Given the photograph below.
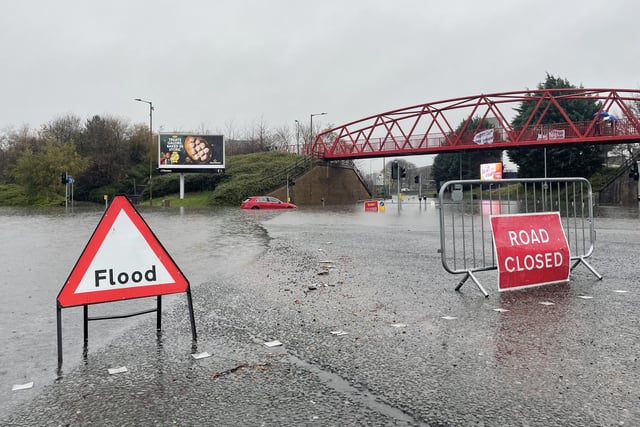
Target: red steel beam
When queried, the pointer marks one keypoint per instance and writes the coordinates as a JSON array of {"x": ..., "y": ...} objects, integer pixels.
[{"x": 427, "y": 129}]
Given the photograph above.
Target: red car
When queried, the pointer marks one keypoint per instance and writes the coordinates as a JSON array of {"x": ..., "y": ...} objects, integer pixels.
[{"x": 265, "y": 202}]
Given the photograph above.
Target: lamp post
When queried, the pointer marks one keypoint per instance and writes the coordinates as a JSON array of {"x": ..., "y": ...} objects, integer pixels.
[
  {"x": 151, "y": 146},
  {"x": 311, "y": 116},
  {"x": 297, "y": 137}
]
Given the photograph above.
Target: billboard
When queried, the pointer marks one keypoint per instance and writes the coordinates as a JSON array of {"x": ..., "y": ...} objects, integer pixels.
[
  {"x": 490, "y": 171},
  {"x": 190, "y": 152}
]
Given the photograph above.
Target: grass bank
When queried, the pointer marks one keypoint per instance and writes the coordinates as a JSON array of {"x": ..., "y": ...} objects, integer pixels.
[{"x": 245, "y": 175}]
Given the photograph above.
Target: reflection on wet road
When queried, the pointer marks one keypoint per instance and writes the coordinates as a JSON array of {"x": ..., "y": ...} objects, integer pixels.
[
  {"x": 40, "y": 249},
  {"x": 413, "y": 352}
]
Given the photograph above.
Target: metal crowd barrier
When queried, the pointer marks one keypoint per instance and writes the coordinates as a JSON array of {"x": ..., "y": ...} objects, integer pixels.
[{"x": 466, "y": 240}]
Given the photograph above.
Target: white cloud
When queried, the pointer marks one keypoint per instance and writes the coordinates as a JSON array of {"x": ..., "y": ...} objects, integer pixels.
[{"x": 213, "y": 63}]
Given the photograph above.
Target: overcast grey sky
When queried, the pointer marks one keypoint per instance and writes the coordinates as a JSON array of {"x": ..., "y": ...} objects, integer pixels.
[{"x": 207, "y": 64}]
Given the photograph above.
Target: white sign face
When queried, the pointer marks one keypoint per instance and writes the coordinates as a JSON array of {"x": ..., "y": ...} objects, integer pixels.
[
  {"x": 552, "y": 134},
  {"x": 124, "y": 260},
  {"x": 491, "y": 171},
  {"x": 484, "y": 137}
]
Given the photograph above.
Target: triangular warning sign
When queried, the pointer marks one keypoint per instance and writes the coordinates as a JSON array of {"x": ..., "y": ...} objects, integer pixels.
[{"x": 122, "y": 260}]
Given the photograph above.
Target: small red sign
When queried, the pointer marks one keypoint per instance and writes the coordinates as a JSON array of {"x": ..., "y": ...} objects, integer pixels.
[
  {"x": 531, "y": 250},
  {"x": 371, "y": 206},
  {"x": 123, "y": 260}
]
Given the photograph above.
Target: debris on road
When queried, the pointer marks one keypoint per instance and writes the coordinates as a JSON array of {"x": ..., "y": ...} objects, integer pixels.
[
  {"x": 25, "y": 386},
  {"x": 230, "y": 370},
  {"x": 201, "y": 355}
]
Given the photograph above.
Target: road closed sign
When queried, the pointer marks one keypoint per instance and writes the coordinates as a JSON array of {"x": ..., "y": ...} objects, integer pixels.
[
  {"x": 123, "y": 260},
  {"x": 531, "y": 250}
]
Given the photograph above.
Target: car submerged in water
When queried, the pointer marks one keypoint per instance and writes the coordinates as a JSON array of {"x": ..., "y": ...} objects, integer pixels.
[{"x": 265, "y": 202}]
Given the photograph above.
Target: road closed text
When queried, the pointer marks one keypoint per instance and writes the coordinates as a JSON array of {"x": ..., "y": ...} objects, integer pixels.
[
  {"x": 530, "y": 262},
  {"x": 533, "y": 262},
  {"x": 531, "y": 249},
  {"x": 528, "y": 237}
]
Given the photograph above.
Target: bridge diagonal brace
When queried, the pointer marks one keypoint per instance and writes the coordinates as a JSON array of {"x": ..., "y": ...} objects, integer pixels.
[{"x": 467, "y": 275}]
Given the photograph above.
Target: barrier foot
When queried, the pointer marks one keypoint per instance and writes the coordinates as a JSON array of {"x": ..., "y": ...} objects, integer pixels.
[
  {"x": 591, "y": 269},
  {"x": 464, "y": 279},
  {"x": 468, "y": 275}
]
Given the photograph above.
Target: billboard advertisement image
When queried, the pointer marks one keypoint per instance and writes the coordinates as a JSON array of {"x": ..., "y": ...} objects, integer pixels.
[
  {"x": 491, "y": 171},
  {"x": 186, "y": 152}
]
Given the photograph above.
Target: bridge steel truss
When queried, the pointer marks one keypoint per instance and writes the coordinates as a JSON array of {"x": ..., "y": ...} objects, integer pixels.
[{"x": 431, "y": 128}]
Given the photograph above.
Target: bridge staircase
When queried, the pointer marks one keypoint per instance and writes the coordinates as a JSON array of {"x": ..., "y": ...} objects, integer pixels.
[
  {"x": 320, "y": 182},
  {"x": 609, "y": 192}
]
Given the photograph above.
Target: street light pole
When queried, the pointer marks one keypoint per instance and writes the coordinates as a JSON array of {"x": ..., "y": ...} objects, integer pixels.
[
  {"x": 311, "y": 116},
  {"x": 151, "y": 146},
  {"x": 297, "y": 137}
]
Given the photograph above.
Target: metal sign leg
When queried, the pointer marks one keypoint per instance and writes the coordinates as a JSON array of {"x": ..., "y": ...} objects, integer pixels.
[
  {"x": 194, "y": 335},
  {"x": 159, "y": 317},
  {"x": 59, "y": 329}
]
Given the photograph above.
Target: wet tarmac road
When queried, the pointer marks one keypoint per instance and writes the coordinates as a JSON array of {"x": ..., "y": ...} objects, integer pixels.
[{"x": 412, "y": 352}]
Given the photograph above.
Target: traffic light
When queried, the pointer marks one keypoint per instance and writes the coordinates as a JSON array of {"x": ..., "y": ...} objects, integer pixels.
[
  {"x": 417, "y": 179},
  {"x": 291, "y": 183},
  {"x": 394, "y": 170},
  {"x": 63, "y": 178},
  {"x": 403, "y": 173}
]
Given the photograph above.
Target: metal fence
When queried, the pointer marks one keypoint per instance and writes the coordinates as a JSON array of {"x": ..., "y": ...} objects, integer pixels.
[{"x": 466, "y": 240}]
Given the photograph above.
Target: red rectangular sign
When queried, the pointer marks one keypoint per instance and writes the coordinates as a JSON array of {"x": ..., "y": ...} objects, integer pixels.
[
  {"x": 531, "y": 250},
  {"x": 371, "y": 206}
]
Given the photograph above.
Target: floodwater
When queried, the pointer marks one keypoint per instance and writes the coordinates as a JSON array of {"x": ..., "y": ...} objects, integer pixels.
[{"x": 41, "y": 247}]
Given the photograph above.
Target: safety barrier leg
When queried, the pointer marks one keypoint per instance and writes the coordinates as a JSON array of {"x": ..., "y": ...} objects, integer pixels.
[
  {"x": 582, "y": 260},
  {"x": 468, "y": 275}
]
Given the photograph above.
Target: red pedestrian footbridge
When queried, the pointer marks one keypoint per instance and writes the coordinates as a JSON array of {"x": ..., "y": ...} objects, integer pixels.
[{"x": 484, "y": 122}]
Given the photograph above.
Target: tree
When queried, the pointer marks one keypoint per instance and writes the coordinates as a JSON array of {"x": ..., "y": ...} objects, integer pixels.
[
  {"x": 261, "y": 135},
  {"x": 282, "y": 140},
  {"x": 464, "y": 164},
  {"x": 14, "y": 142},
  {"x": 64, "y": 129},
  {"x": 39, "y": 171},
  {"x": 140, "y": 148},
  {"x": 105, "y": 141},
  {"x": 446, "y": 167},
  {"x": 568, "y": 160}
]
